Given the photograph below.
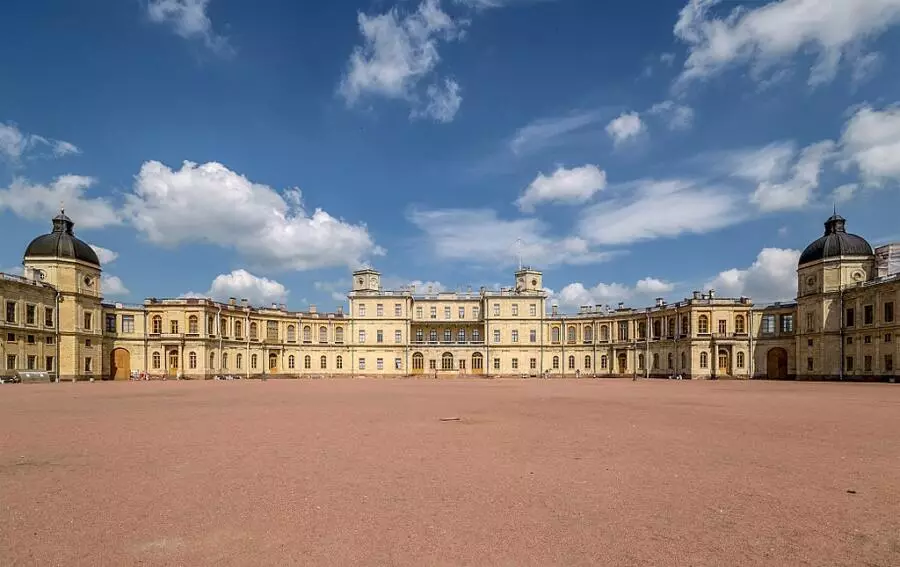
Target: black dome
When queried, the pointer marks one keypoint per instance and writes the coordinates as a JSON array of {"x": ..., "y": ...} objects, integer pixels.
[
  {"x": 836, "y": 242},
  {"x": 61, "y": 243}
]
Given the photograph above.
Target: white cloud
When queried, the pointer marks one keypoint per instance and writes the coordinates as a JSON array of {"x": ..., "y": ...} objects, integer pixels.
[
  {"x": 335, "y": 290},
  {"x": 244, "y": 285},
  {"x": 677, "y": 116},
  {"x": 189, "y": 20},
  {"x": 871, "y": 143},
  {"x": 105, "y": 255},
  {"x": 575, "y": 185},
  {"x": 15, "y": 144},
  {"x": 576, "y": 294},
  {"x": 399, "y": 50},
  {"x": 479, "y": 236},
  {"x": 653, "y": 209},
  {"x": 210, "y": 203},
  {"x": 772, "y": 277},
  {"x": 625, "y": 127},
  {"x": 112, "y": 286},
  {"x": 551, "y": 131},
  {"x": 767, "y": 35},
  {"x": 42, "y": 202},
  {"x": 865, "y": 67},
  {"x": 845, "y": 192},
  {"x": 795, "y": 189}
]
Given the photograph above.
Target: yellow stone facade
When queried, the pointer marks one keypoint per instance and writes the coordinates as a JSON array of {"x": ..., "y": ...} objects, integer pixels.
[{"x": 841, "y": 327}]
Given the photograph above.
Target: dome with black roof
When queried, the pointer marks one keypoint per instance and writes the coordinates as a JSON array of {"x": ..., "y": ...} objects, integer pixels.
[
  {"x": 835, "y": 243},
  {"x": 62, "y": 243}
]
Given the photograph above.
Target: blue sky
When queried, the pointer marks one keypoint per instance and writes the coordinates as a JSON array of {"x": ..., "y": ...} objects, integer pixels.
[{"x": 630, "y": 150}]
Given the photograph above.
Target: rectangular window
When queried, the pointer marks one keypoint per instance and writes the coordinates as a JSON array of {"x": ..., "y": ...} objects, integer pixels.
[
  {"x": 888, "y": 337},
  {"x": 515, "y": 363},
  {"x": 10, "y": 362},
  {"x": 48, "y": 364},
  {"x": 271, "y": 330},
  {"x": 10, "y": 311},
  {"x": 173, "y": 327},
  {"x": 867, "y": 363},
  {"x": 29, "y": 339},
  {"x": 496, "y": 364},
  {"x": 623, "y": 330},
  {"x": 418, "y": 312},
  {"x": 447, "y": 312},
  {"x": 809, "y": 342},
  {"x": 532, "y": 336},
  {"x": 496, "y": 310},
  {"x": 496, "y": 335},
  {"x": 515, "y": 336},
  {"x": 88, "y": 321},
  {"x": 379, "y": 310},
  {"x": 31, "y": 362},
  {"x": 88, "y": 364},
  {"x": 48, "y": 317},
  {"x": 515, "y": 309},
  {"x": 31, "y": 315},
  {"x": 127, "y": 323},
  {"x": 532, "y": 363},
  {"x": 49, "y": 340},
  {"x": 475, "y": 311},
  {"x": 868, "y": 314},
  {"x": 398, "y": 336},
  {"x": 809, "y": 364},
  {"x": 849, "y": 364},
  {"x": 768, "y": 325},
  {"x": 379, "y": 336},
  {"x": 810, "y": 322},
  {"x": 532, "y": 310},
  {"x": 849, "y": 320},
  {"x": 10, "y": 337},
  {"x": 787, "y": 323},
  {"x": 432, "y": 364},
  {"x": 398, "y": 310},
  {"x": 433, "y": 312},
  {"x": 362, "y": 335},
  {"x": 867, "y": 339},
  {"x": 889, "y": 363},
  {"x": 849, "y": 340},
  {"x": 398, "y": 364},
  {"x": 87, "y": 343},
  {"x": 889, "y": 312},
  {"x": 462, "y": 312},
  {"x": 110, "y": 323},
  {"x": 362, "y": 363},
  {"x": 379, "y": 364},
  {"x": 723, "y": 326},
  {"x": 362, "y": 309}
]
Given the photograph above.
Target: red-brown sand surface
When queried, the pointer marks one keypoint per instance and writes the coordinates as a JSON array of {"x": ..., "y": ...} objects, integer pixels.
[{"x": 535, "y": 472}]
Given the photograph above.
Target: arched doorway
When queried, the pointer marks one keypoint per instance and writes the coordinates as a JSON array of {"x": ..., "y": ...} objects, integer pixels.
[
  {"x": 273, "y": 363},
  {"x": 477, "y": 363},
  {"x": 724, "y": 369},
  {"x": 777, "y": 364},
  {"x": 120, "y": 364},
  {"x": 418, "y": 366},
  {"x": 173, "y": 362},
  {"x": 622, "y": 360}
]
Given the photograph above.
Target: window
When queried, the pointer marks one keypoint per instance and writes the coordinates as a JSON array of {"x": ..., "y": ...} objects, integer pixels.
[
  {"x": 604, "y": 333},
  {"x": 887, "y": 337},
  {"x": 642, "y": 330},
  {"x": 532, "y": 310},
  {"x": 49, "y": 340},
  {"x": 238, "y": 329},
  {"x": 127, "y": 323},
  {"x": 554, "y": 334},
  {"x": 379, "y": 364},
  {"x": 446, "y": 361},
  {"x": 703, "y": 325},
  {"x": 556, "y": 363},
  {"x": 809, "y": 342},
  {"x": 496, "y": 364},
  {"x": 398, "y": 310},
  {"x": 323, "y": 334},
  {"x": 740, "y": 359},
  {"x": 849, "y": 320},
  {"x": 809, "y": 364},
  {"x": 476, "y": 336},
  {"x": 110, "y": 323},
  {"x": 307, "y": 362},
  {"x": 379, "y": 310},
  {"x": 323, "y": 362},
  {"x": 418, "y": 361},
  {"x": 418, "y": 312},
  {"x": 515, "y": 309},
  {"x": 888, "y": 363},
  {"x": 867, "y": 339},
  {"x": 739, "y": 325},
  {"x": 30, "y": 340},
  {"x": 867, "y": 363},
  {"x": 889, "y": 312},
  {"x": 432, "y": 311},
  {"x": 704, "y": 360},
  {"x": 339, "y": 362},
  {"x": 603, "y": 361},
  {"x": 271, "y": 330},
  {"x": 849, "y": 340},
  {"x": 683, "y": 360},
  {"x": 514, "y": 336},
  {"x": 254, "y": 331},
  {"x": 787, "y": 323},
  {"x": 448, "y": 335},
  {"x": 461, "y": 336},
  {"x": 239, "y": 361},
  {"x": 212, "y": 360},
  {"x": 192, "y": 360},
  {"x": 10, "y": 362},
  {"x": 362, "y": 335},
  {"x": 291, "y": 362},
  {"x": 657, "y": 328},
  {"x": 432, "y": 336},
  {"x": 193, "y": 325},
  {"x": 362, "y": 363},
  {"x": 868, "y": 314},
  {"x": 462, "y": 312},
  {"x": 223, "y": 327},
  {"x": 850, "y": 364},
  {"x": 723, "y": 326},
  {"x": 398, "y": 337},
  {"x": 224, "y": 360},
  {"x": 398, "y": 364},
  {"x": 362, "y": 309},
  {"x": 532, "y": 363},
  {"x": 88, "y": 321},
  {"x": 587, "y": 362},
  {"x": 30, "y": 315},
  {"x": 768, "y": 325},
  {"x": 307, "y": 334},
  {"x": 210, "y": 325},
  {"x": 496, "y": 335},
  {"x": 420, "y": 335},
  {"x": 48, "y": 316},
  {"x": 588, "y": 334},
  {"x": 475, "y": 311},
  {"x": 30, "y": 362},
  {"x": 685, "y": 326},
  {"x": 339, "y": 335},
  {"x": 570, "y": 334},
  {"x": 571, "y": 362},
  {"x": 623, "y": 330},
  {"x": 496, "y": 310},
  {"x": 655, "y": 361},
  {"x": 640, "y": 362},
  {"x": 254, "y": 361},
  {"x": 88, "y": 364},
  {"x": 157, "y": 360},
  {"x": 432, "y": 364},
  {"x": 48, "y": 364},
  {"x": 671, "y": 327},
  {"x": 446, "y": 312},
  {"x": 532, "y": 336},
  {"x": 10, "y": 311},
  {"x": 515, "y": 364},
  {"x": 379, "y": 336},
  {"x": 670, "y": 361}
]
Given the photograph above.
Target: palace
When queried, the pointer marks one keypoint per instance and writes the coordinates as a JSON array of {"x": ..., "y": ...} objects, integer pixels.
[{"x": 57, "y": 326}]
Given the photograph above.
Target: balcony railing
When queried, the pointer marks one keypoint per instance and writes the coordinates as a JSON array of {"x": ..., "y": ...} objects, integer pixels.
[{"x": 478, "y": 342}]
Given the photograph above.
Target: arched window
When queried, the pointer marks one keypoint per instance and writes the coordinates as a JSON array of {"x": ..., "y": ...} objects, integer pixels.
[
  {"x": 657, "y": 328},
  {"x": 157, "y": 360},
  {"x": 224, "y": 360},
  {"x": 223, "y": 326},
  {"x": 587, "y": 362},
  {"x": 339, "y": 335},
  {"x": 642, "y": 330},
  {"x": 571, "y": 362},
  {"x": 604, "y": 333},
  {"x": 254, "y": 361},
  {"x": 570, "y": 334},
  {"x": 704, "y": 360},
  {"x": 418, "y": 361},
  {"x": 323, "y": 362},
  {"x": 212, "y": 360},
  {"x": 210, "y": 325},
  {"x": 192, "y": 360},
  {"x": 739, "y": 324},
  {"x": 254, "y": 331},
  {"x": 556, "y": 363},
  {"x": 238, "y": 361},
  {"x": 307, "y": 334},
  {"x": 291, "y": 334},
  {"x": 323, "y": 334},
  {"x": 671, "y": 327},
  {"x": 640, "y": 362},
  {"x": 307, "y": 362},
  {"x": 588, "y": 333},
  {"x": 554, "y": 335},
  {"x": 740, "y": 359},
  {"x": 239, "y": 329},
  {"x": 670, "y": 360},
  {"x": 683, "y": 361},
  {"x": 291, "y": 361},
  {"x": 603, "y": 362},
  {"x": 685, "y": 326},
  {"x": 273, "y": 361},
  {"x": 703, "y": 325},
  {"x": 193, "y": 325},
  {"x": 339, "y": 361},
  {"x": 156, "y": 325},
  {"x": 477, "y": 361},
  {"x": 446, "y": 361},
  {"x": 655, "y": 361}
]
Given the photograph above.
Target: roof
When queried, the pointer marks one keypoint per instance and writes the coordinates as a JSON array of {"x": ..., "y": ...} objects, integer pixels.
[
  {"x": 836, "y": 242},
  {"x": 62, "y": 243}
]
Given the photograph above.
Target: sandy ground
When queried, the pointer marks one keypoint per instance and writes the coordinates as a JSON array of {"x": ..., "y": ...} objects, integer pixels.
[{"x": 534, "y": 472}]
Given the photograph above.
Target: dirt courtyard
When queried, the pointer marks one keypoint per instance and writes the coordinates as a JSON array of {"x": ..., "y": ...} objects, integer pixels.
[{"x": 533, "y": 472}]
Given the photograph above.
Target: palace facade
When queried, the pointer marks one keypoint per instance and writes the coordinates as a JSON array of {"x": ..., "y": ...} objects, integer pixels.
[{"x": 56, "y": 325}]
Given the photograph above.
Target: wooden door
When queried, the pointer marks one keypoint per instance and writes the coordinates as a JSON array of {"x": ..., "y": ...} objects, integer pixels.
[
  {"x": 120, "y": 364},
  {"x": 723, "y": 363},
  {"x": 623, "y": 363},
  {"x": 173, "y": 363}
]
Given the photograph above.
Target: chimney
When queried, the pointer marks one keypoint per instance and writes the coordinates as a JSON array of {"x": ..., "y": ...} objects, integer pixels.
[
  {"x": 244, "y": 302},
  {"x": 696, "y": 295},
  {"x": 274, "y": 306},
  {"x": 282, "y": 306},
  {"x": 712, "y": 294},
  {"x": 660, "y": 302},
  {"x": 340, "y": 309},
  {"x": 621, "y": 305},
  {"x": 554, "y": 310},
  {"x": 232, "y": 301},
  {"x": 312, "y": 308}
]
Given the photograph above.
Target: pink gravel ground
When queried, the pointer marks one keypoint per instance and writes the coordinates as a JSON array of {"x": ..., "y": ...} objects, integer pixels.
[{"x": 535, "y": 472}]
